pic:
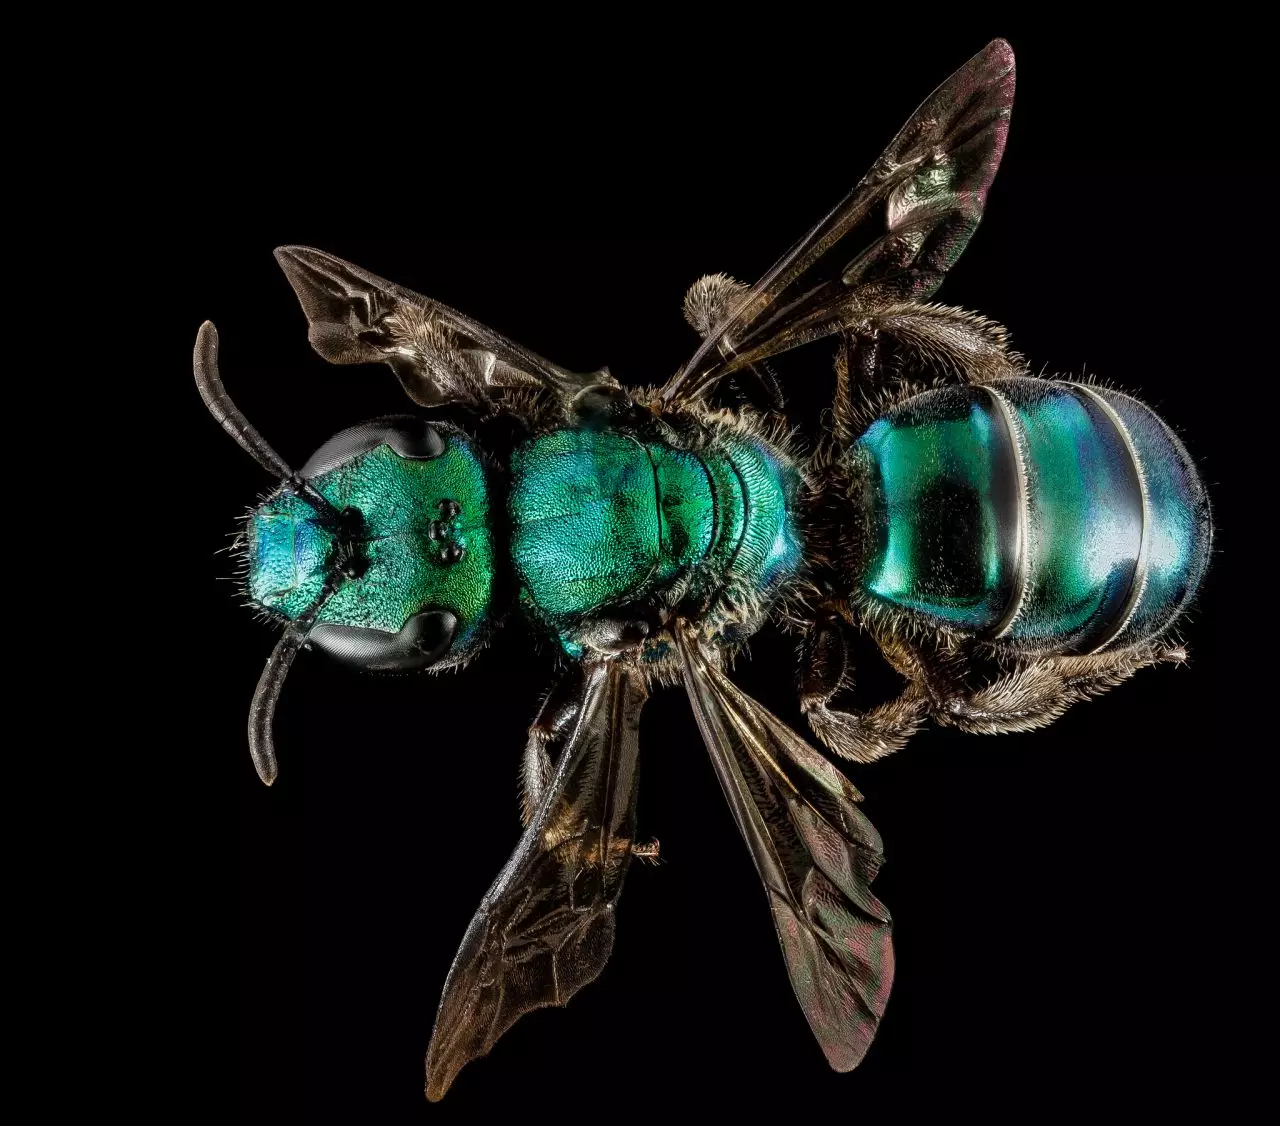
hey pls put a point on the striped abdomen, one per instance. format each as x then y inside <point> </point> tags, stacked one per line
<point>1054,516</point>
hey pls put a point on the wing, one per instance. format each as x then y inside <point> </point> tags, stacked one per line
<point>439,355</point>
<point>545,928</point>
<point>929,188</point>
<point>816,853</point>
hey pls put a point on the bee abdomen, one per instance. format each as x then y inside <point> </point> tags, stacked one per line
<point>1052,516</point>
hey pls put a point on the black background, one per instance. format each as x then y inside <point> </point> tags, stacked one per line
<point>1058,931</point>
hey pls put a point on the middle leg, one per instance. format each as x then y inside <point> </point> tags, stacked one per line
<point>859,736</point>
<point>558,711</point>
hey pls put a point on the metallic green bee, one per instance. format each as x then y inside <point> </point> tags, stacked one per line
<point>1012,544</point>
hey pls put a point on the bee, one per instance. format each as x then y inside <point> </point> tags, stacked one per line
<point>1012,545</point>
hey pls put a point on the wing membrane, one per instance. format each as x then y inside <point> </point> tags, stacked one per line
<point>545,928</point>
<point>816,854</point>
<point>439,355</point>
<point>930,185</point>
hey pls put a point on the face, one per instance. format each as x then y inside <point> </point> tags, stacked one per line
<point>405,544</point>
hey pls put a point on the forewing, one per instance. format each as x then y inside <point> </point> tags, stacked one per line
<point>439,355</point>
<point>927,189</point>
<point>815,852</point>
<point>545,928</point>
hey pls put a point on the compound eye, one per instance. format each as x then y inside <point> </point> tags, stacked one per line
<point>410,437</point>
<point>422,641</point>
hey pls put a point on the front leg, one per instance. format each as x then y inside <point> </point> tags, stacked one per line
<point>863,737</point>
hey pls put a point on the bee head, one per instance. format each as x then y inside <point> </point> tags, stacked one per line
<point>391,536</point>
<point>378,551</point>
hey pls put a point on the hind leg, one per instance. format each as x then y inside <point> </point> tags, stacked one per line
<point>1031,696</point>
<point>1037,693</point>
<point>917,340</point>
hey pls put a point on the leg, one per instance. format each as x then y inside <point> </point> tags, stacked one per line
<point>558,711</point>
<point>1038,693</point>
<point>860,737</point>
<point>557,714</point>
<point>707,304</point>
<point>857,364</point>
<point>1030,697</point>
<point>650,853</point>
<point>910,339</point>
<point>951,341</point>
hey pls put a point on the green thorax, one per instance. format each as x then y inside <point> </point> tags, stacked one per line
<point>604,517</point>
<point>399,499</point>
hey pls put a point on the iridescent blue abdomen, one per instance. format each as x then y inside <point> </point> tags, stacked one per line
<point>1054,516</point>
